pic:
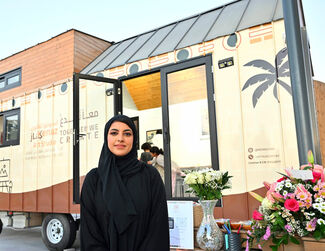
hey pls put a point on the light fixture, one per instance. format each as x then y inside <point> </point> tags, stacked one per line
<point>226,62</point>
<point>110,92</point>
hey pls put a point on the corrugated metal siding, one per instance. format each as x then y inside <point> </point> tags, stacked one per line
<point>172,39</point>
<point>225,20</point>
<point>96,61</point>
<point>257,12</point>
<point>105,62</point>
<point>278,12</point>
<point>151,44</point>
<point>199,29</point>
<point>133,48</point>
<point>228,20</point>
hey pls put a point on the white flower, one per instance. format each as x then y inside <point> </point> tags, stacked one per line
<point>321,222</point>
<point>319,200</point>
<point>266,203</point>
<point>322,210</point>
<point>288,185</point>
<point>190,179</point>
<point>200,178</point>
<point>208,177</point>
<point>285,192</point>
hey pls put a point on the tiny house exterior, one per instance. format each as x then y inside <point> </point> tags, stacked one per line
<point>213,90</point>
<point>34,160</point>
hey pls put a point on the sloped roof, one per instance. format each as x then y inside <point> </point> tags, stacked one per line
<point>221,21</point>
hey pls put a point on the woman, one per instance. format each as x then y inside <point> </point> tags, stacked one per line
<point>158,160</point>
<point>123,201</point>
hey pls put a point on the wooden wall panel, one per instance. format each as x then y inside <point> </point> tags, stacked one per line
<point>51,61</point>
<point>42,64</point>
<point>86,49</point>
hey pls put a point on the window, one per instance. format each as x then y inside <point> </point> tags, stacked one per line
<point>9,127</point>
<point>10,79</point>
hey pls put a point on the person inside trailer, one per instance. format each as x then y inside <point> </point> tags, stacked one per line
<point>123,202</point>
<point>158,160</point>
<point>146,156</point>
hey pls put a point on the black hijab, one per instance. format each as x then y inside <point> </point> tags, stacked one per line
<point>112,169</point>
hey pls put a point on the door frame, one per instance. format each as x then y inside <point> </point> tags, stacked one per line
<point>203,60</point>
<point>182,65</point>
<point>117,92</point>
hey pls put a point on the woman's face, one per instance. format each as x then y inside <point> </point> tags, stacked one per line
<point>120,138</point>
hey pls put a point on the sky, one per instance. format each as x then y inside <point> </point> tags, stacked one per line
<point>26,23</point>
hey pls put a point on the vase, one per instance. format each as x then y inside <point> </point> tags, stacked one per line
<point>209,235</point>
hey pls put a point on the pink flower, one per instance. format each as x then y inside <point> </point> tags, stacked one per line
<point>257,215</point>
<point>292,205</point>
<point>302,196</point>
<point>318,173</point>
<point>267,234</point>
<point>288,172</point>
<point>303,167</point>
<point>271,191</point>
<point>301,189</point>
<point>288,228</point>
<point>311,225</point>
<point>267,185</point>
<point>316,176</point>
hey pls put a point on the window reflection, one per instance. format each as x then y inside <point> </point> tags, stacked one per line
<point>12,127</point>
<point>13,79</point>
<point>189,125</point>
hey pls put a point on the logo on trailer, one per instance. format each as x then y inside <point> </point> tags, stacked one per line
<point>5,182</point>
<point>270,77</point>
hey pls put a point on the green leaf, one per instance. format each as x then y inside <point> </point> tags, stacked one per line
<point>274,248</point>
<point>310,157</point>
<point>317,235</point>
<point>276,241</point>
<point>285,239</point>
<point>294,240</point>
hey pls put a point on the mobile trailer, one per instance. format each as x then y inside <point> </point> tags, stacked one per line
<point>208,87</point>
<point>35,156</point>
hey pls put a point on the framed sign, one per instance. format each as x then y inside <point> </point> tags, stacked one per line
<point>151,134</point>
<point>180,217</point>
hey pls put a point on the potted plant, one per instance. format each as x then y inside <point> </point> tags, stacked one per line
<point>207,185</point>
<point>294,207</point>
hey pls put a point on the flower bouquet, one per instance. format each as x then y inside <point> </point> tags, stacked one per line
<point>207,184</point>
<point>294,206</point>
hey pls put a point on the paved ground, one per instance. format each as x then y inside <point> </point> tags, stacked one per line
<point>26,240</point>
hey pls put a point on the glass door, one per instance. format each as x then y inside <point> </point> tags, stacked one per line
<point>95,100</point>
<point>142,102</point>
<point>189,123</point>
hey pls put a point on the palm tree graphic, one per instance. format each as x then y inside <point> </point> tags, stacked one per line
<point>265,80</point>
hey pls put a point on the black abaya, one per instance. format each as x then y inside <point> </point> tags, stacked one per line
<point>123,204</point>
<point>149,231</point>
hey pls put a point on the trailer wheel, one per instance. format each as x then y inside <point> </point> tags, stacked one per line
<point>58,231</point>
